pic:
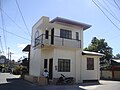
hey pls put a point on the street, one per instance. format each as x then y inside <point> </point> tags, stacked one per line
<point>13,82</point>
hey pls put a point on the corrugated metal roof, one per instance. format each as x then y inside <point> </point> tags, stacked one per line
<point>117,60</point>
<point>92,53</point>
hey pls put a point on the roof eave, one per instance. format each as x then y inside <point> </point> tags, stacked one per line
<point>59,19</point>
<point>92,53</point>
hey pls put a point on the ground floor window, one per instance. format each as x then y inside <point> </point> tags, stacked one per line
<point>63,65</point>
<point>45,63</point>
<point>90,63</point>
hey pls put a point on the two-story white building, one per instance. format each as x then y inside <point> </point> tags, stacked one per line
<point>57,46</point>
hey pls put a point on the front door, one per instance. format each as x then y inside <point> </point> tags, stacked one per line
<point>50,68</point>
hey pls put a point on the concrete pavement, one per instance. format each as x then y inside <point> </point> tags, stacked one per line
<point>13,82</point>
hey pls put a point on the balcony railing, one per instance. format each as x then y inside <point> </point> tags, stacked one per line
<point>58,41</point>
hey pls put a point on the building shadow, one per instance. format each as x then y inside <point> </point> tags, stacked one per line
<point>11,84</point>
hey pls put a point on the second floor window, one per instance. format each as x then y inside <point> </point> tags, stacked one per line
<point>36,38</point>
<point>65,34</point>
<point>77,36</point>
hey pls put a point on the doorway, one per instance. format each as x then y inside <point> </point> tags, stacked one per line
<point>50,68</point>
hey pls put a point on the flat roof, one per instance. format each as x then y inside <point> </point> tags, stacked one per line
<point>63,20</point>
<point>92,53</point>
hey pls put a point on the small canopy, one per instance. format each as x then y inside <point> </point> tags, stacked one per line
<point>92,53</point>
<point>27,48</point>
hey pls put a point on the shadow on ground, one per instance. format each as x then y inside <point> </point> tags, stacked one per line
<point>16,84</point>
<point>20,84</point>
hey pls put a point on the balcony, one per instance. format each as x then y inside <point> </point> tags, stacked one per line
<point>57,41</point>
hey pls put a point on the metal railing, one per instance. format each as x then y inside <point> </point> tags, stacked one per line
<point>58,41</point>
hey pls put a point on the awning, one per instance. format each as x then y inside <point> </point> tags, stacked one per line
<point>27,48</point>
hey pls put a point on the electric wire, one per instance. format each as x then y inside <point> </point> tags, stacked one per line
<point>22,17</point>
<point>1,44</point>
<point>109,12</point>
<point>12,20</point>
<point>116,4</point>
<point>109,8</point>
<point>106,15</point>
<point>111,4</point>
<point>15,34</point>
<point>2,21</point>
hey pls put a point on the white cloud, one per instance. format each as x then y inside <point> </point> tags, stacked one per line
<point>17,53</point>
<point>16,56</point>
<point>21,46</point>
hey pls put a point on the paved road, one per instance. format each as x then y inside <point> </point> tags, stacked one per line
<point>13,82</point>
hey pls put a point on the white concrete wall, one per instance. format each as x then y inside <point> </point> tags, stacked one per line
<point>74,56</point>
<point>46,54</point>
<point>35,53</point>
<point>35,62</point>
<point>90,74</point>
<point>78,65</point>
<point>106,74</point>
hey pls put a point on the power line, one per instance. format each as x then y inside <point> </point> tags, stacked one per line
<point>116,4</point>
<point>22,17</point>
<point>106,15</point>
<point>12,20</point>
<point>14,34</point>
<point>111,4</point>
<point>109,7</point>
<point>3,26</point>
<point>1,44</point>
<point>109,12</point>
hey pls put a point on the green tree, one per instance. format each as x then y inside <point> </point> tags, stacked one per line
<point>99,45</point>
<point>117,56</point>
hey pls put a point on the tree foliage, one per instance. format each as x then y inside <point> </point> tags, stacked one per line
<point>117,56</point>
<point>99,45</point>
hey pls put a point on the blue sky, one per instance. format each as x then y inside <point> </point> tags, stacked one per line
<point>80,10</point>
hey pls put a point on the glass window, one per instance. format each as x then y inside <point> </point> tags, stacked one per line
<point>77,36</point>
<point>90,63</point>
<point>37,41</point>
<point>45,63</point>
<point>65,34</point>
<point>63,65</point>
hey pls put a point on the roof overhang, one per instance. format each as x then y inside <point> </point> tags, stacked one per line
<point>116,60</point>
<point>63,20</point>
<point>27,48</point>
<point>92,53</point>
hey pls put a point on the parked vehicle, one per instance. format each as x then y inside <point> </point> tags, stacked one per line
<point>65,80</point>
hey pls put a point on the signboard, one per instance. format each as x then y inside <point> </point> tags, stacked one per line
<point>2,59</point>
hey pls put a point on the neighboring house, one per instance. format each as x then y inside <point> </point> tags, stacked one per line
<point>113,71</point>
<point>57,46</point>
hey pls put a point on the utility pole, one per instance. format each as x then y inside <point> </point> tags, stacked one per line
<point>9,58</point>
<point>8,52</point>
<point>10,55</point>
